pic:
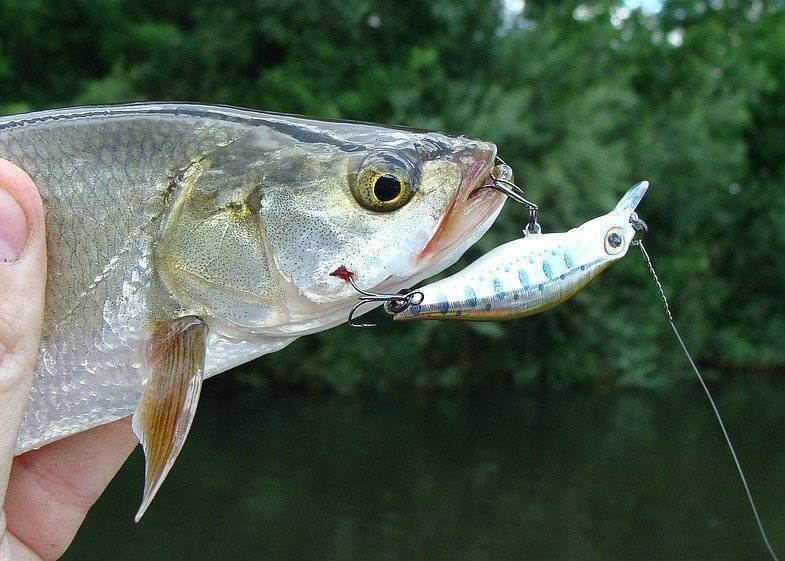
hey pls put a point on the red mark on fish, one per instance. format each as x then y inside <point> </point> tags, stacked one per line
<point>343,273</point>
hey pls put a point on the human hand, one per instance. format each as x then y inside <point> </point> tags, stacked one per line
<point>45,493</point>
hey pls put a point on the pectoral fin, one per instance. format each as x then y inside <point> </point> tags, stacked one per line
<point>168,403</point>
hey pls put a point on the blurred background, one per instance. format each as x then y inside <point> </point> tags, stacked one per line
<point>576,434</point>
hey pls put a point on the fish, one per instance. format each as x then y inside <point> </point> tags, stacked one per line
<point>531,274</point>
<point>186,239</point>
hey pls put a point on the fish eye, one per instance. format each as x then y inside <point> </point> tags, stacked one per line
<point>614,241</point>
<point>382,185</point>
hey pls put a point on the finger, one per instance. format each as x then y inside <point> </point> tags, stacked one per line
<point>22,280</point>
<point>51,489</point>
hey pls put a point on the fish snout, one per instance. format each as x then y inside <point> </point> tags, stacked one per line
<point>470,209</point>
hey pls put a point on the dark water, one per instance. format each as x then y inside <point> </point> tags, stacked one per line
<point>641,476</point>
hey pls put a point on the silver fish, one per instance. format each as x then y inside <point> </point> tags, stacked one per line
<point>534,273</point>
<point>184,240</point>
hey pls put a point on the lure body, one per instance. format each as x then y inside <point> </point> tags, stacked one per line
<point>531,274</point>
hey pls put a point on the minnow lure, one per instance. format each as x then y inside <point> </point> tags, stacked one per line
<point>534,273</point>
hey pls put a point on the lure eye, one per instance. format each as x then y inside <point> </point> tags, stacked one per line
<point>614,241</point>
<point>382,185</point>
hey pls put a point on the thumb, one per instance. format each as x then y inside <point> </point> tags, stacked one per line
<point>22,281</point>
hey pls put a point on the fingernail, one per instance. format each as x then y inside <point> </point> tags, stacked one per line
<point>13,228</point>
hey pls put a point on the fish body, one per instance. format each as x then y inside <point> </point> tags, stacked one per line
<point>186,239</point>
<point>531,274</point>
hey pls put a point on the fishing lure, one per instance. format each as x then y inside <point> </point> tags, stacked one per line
<point>531,274</point>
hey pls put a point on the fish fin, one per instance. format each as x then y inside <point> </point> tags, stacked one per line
<point>167,406</point>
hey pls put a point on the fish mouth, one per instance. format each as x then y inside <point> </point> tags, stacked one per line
<point>472,210</point>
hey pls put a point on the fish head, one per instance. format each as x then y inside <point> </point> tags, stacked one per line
<point>606,239</point>
<point>285,222</point>
<point>397,211</point>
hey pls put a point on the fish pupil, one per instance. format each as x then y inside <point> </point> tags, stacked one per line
<point>387,188</point>
<point>614,240</point>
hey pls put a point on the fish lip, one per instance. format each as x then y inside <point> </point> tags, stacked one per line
<point>471,208</point>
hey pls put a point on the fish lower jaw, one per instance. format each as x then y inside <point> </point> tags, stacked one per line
<point>469,215</point>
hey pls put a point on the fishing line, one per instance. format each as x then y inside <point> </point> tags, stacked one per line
<point>669,317</point>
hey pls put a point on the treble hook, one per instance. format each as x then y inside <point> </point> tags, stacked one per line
<point>393,303</point>
<point>516,194</point>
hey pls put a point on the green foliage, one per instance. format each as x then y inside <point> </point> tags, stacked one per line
<point>582,100</point>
